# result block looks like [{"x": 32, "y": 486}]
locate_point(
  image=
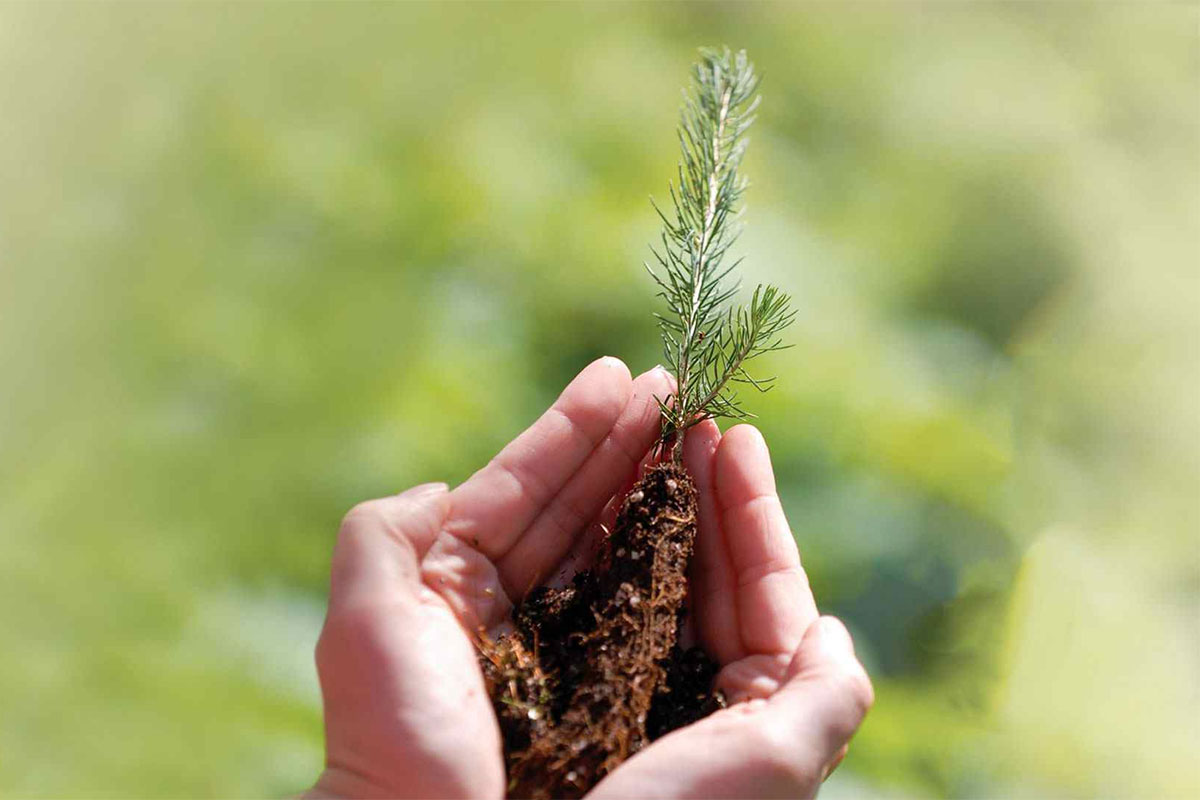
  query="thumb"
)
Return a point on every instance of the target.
[
  {"x": 779, "y": 747},
  {"x": 380, "y": 545},
  {"x": 826, "y": 692}
]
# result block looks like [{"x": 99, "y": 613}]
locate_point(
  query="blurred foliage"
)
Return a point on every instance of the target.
[{"x": 259, "y": 262}]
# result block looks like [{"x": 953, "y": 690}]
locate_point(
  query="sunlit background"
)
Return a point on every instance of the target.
[{"x": 259, "y": 262}]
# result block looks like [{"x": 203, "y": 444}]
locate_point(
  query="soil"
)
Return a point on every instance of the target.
[{"x": 594, "y": 671}]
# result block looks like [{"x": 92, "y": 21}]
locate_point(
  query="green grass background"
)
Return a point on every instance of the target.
[{"x": 259, "y": 262}]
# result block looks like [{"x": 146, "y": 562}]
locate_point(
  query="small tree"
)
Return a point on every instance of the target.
[
  {"x": 707, "y": 342},
  {"x": 594, "y": 670}
]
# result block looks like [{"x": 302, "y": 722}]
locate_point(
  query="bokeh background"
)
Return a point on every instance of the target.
[{"x": 259, "y": 262}]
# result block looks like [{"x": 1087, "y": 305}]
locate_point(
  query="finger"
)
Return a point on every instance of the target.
[
  {"x": 495, "y": 505},
  {"x": 650, "y": 456},
  {"x": 826, "y": 694},
  {"x": 699, "y": 447},
  {"x": 713, "y": 598},
  {"x": 588, "y": 547},
  {"x": 570, "y": 513},
  {"x": 755, "y": 677},
  {"x": 782, "y": 746},
  {"x": 771, "y": 594},
  {"x": 380, "y": 545}
]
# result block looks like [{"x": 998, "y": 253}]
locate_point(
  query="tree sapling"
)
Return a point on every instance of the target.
[{"x": 594, "y": 671}]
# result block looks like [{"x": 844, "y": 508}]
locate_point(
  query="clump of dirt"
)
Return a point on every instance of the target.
[{"x": 594, "y": 671}]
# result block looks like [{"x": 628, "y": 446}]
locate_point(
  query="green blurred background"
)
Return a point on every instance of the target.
[{"x": 259, "y": 262}]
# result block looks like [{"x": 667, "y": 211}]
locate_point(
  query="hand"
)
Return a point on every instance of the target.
[
  {"x": 406, "y": 712},
  {"x": 796, "y": 690}
]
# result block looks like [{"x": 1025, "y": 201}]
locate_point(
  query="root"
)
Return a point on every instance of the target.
[{"x": 607, "y": 660}]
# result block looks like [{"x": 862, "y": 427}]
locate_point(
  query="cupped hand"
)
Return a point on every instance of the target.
[
  {"x": 797, "y": 692},
  {"x": 416, "y": 576}
]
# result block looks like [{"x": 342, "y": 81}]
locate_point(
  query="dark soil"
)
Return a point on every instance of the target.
[{"x": 594, "y": 671}]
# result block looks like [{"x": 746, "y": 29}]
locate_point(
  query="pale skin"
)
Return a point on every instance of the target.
[{"x": 406, "y": 711}]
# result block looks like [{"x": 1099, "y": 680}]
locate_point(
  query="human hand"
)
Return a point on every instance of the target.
[
  {"x": 796, "y": 690},
  {"x": 406, "y": 712}
]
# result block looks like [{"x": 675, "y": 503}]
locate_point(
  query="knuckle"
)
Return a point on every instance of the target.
[
  {"x": 778, "y": 754},
  {"x": 854, "y": 697},
  {"x": 323, "y": 651},
  {"x": 365, "y": 521},
  {"x": 363, "y": 515},
  {"x": 857, "y": 689}
]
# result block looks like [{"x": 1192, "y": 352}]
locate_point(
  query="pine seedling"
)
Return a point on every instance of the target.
[
  {"x": 708, "y": 341},
  {"x": 593, "y": 672}
]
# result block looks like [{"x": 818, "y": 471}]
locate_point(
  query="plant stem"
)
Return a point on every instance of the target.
[{"x": 686, "y": 342}]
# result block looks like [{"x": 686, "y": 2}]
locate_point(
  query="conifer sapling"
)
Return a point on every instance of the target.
[
  {"x": 594, "y": 671},
  {"x": 706, "y": 342}
]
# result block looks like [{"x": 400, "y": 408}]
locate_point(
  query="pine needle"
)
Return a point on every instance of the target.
[{"x": 707, "y": 342}]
